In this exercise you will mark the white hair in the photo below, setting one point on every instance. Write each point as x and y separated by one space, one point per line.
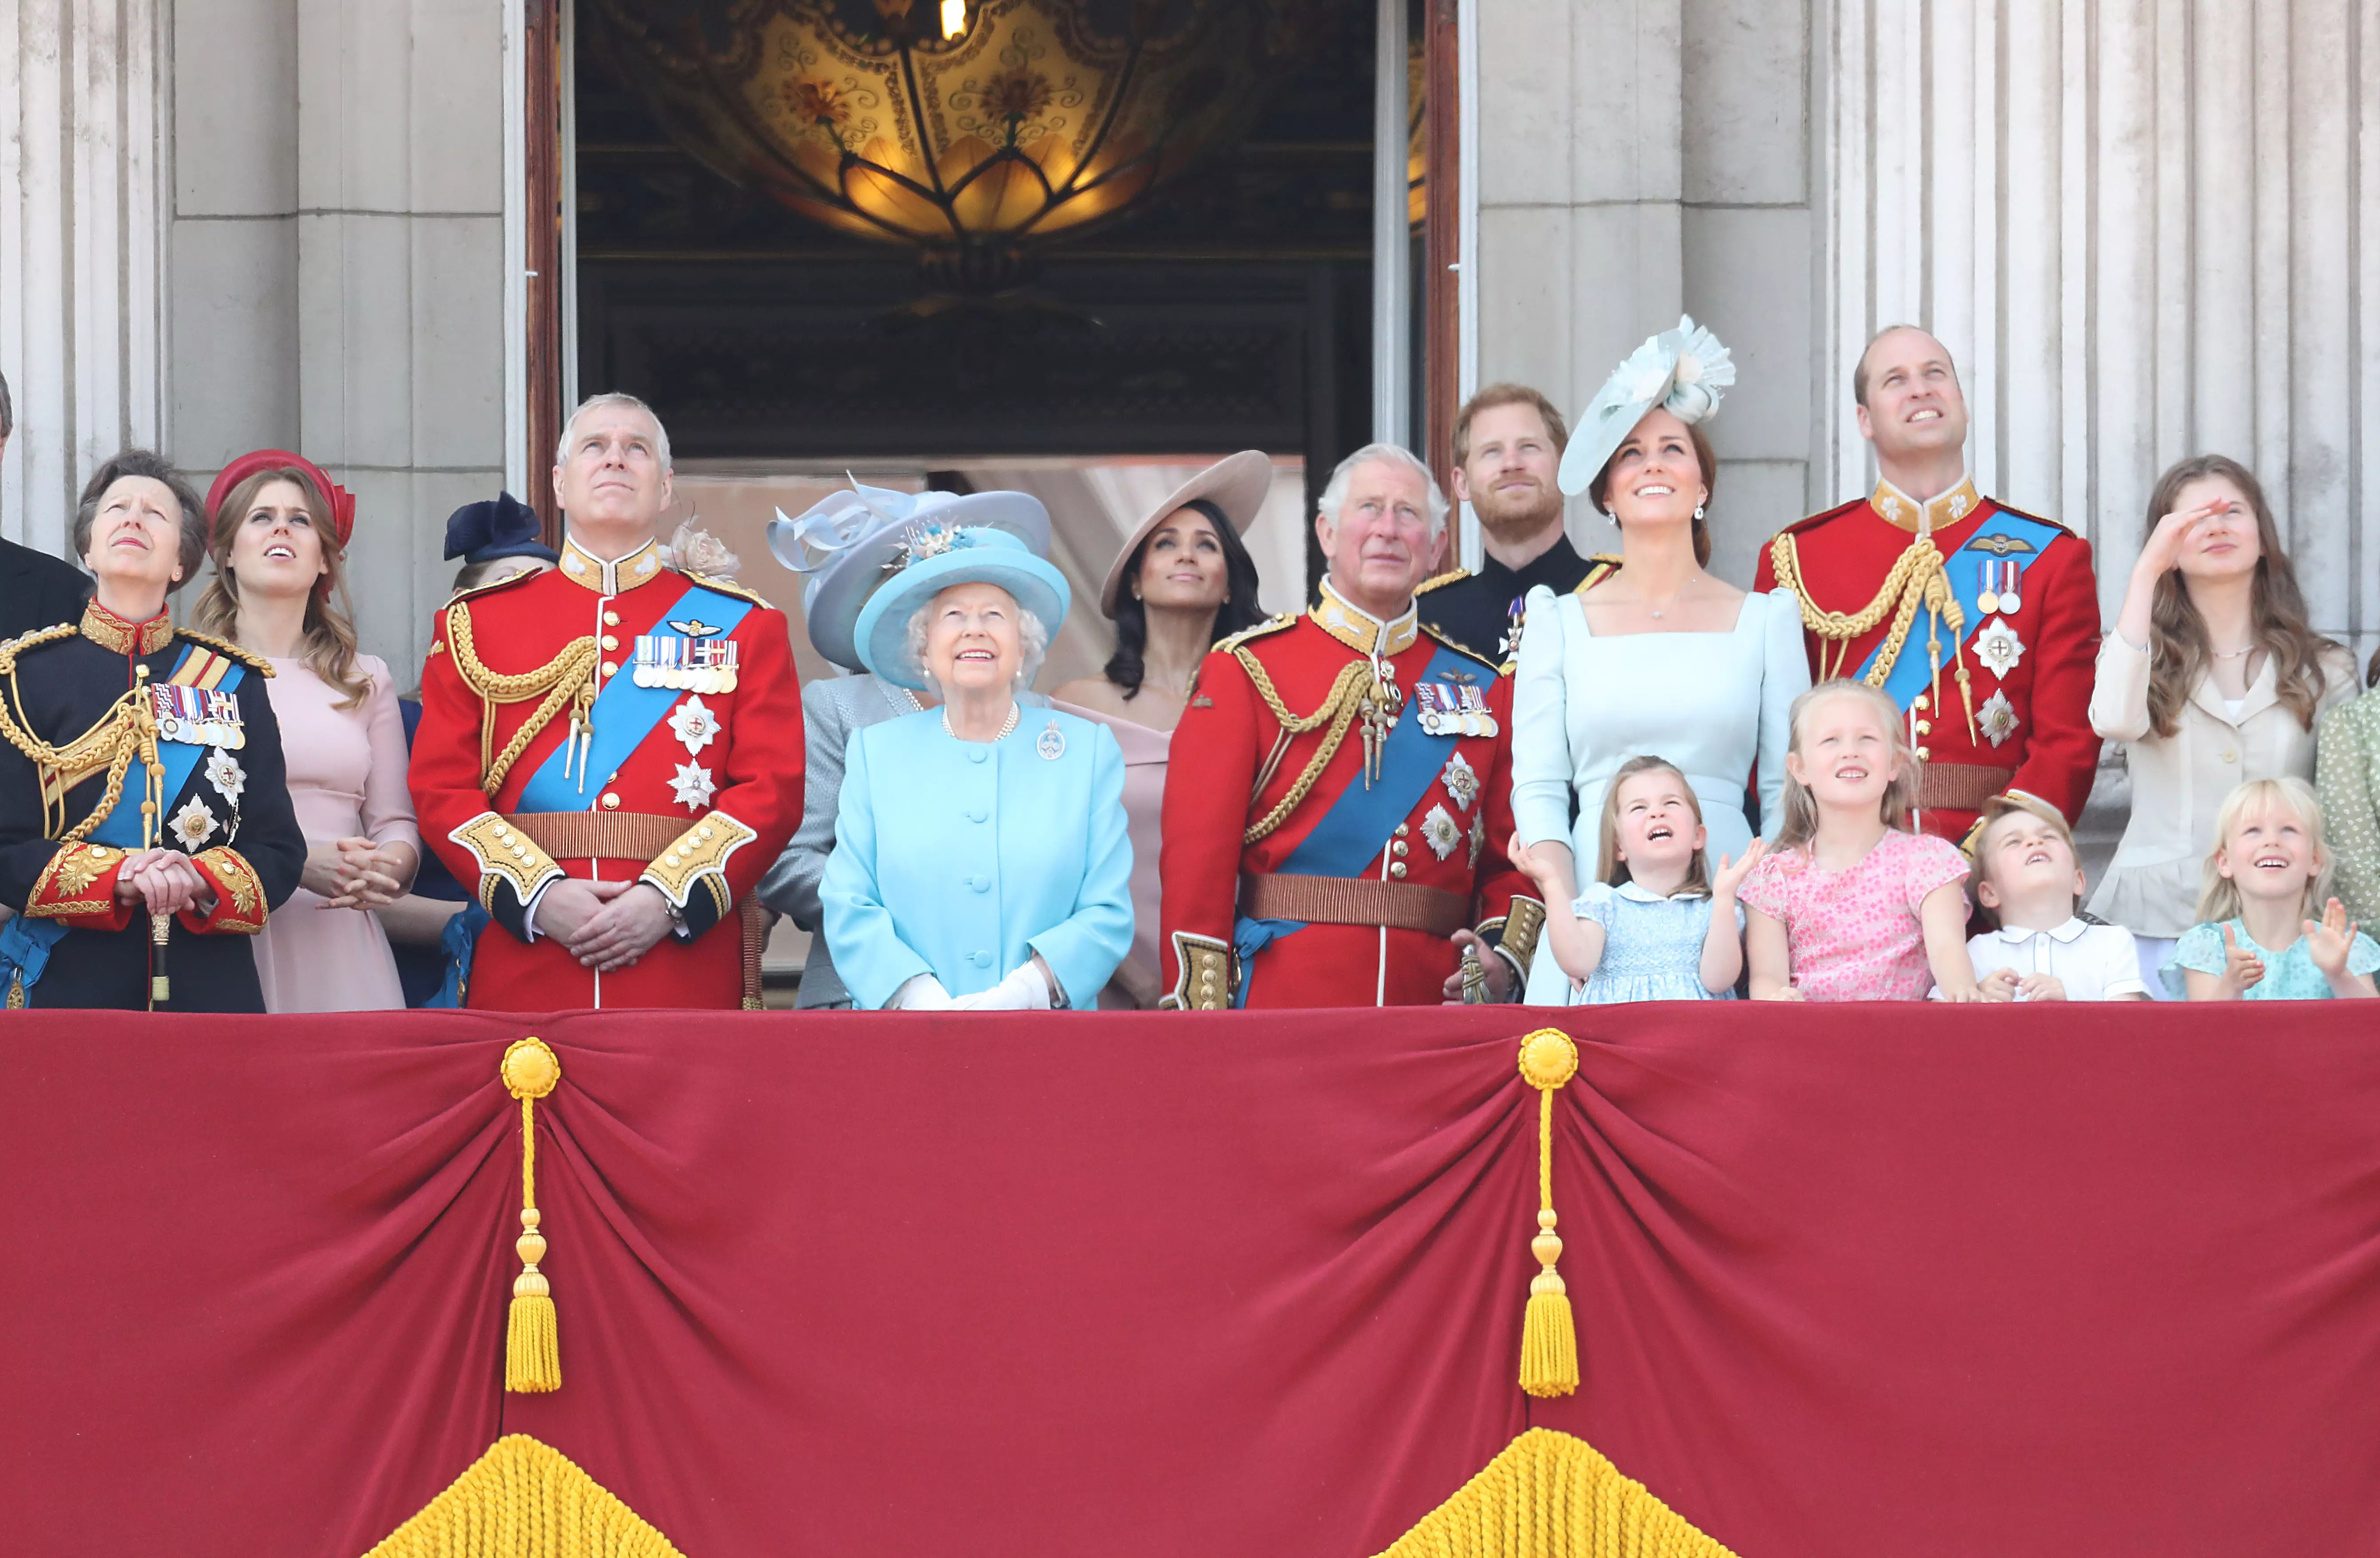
1032 639
611 398
1334 494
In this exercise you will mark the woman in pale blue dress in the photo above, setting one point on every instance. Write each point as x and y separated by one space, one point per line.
1661 657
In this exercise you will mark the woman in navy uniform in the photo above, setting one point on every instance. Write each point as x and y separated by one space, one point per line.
981 858
145 827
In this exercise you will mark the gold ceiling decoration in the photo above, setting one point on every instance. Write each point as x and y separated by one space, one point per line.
971 129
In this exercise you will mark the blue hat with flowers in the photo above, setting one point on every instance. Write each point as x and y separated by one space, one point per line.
501 526
1684 372
931 558
846 547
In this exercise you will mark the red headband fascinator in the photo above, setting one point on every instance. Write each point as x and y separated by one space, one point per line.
342 502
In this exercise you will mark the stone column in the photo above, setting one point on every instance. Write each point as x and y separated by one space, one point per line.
338 276
81 219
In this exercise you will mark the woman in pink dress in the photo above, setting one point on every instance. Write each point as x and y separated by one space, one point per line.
1182 582
279 533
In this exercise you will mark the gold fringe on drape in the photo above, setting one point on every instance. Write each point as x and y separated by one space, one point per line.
524 1500
1550 1495
1548 1333
532 1338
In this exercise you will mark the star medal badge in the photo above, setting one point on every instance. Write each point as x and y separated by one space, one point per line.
1999 647
694 786
1050 743
1479 836
1439 832
226 774
693 723
1997 718
193 824
1462 781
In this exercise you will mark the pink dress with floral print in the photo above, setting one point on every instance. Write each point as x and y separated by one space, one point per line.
1855 934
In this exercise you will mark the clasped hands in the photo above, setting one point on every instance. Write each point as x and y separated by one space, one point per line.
605 925
357 873
163 882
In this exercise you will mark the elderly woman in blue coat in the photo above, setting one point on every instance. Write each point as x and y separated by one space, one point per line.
980 859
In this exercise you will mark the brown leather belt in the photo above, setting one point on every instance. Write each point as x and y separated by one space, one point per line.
1346 900
600 836
1959 787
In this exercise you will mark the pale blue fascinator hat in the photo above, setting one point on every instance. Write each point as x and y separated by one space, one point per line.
1684 372
932 557
844 546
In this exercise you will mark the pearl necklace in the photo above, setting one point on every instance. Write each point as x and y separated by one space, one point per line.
1015 713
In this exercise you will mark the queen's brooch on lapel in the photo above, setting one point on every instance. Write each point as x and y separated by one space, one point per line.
1454 709
1050 743
685 663
197 716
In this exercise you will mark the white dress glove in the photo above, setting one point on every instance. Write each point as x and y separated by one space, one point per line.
1025 989
920 992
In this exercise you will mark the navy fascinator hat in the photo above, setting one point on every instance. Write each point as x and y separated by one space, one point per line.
503 527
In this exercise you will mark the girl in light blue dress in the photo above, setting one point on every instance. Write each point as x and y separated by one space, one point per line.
1657 925
2257 938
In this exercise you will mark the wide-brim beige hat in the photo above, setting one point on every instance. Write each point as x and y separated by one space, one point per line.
1236 484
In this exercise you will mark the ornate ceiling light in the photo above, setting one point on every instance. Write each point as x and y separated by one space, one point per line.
971 129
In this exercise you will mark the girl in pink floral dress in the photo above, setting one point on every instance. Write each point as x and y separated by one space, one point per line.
1850 906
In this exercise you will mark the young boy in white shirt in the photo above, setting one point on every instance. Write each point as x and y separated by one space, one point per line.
2029 879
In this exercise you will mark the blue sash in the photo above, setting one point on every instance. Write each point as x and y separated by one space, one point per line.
25 942
1352 833
623 716
179 759
458 944
1910 673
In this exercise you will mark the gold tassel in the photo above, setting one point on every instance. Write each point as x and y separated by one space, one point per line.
1548 1333
532 1339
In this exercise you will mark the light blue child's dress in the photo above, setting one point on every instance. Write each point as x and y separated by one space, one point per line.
2290 974
1652 947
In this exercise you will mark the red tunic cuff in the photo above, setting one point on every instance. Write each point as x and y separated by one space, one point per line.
240 906
78 888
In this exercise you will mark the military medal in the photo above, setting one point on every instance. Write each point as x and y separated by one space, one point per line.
196 716
2000 593
1462 781
693 723
1439 832
1997 718
1999 647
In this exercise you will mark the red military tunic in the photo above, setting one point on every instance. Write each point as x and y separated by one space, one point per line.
2028 670
698 807
1231 774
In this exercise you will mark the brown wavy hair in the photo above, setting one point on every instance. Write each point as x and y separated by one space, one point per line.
2179 654
329 644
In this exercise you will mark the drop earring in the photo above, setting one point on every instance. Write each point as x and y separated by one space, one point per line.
1698 511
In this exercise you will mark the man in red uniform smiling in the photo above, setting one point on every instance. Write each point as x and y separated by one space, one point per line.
1339 795
611 752
1980 621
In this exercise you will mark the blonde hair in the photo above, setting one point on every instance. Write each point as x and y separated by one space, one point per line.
1609 866
328 645
2219 900
1798 819
1999 809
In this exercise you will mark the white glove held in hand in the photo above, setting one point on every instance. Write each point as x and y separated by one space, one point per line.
1025 989
921 993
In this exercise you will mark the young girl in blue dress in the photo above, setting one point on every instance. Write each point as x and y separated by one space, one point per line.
1657 925
2257 938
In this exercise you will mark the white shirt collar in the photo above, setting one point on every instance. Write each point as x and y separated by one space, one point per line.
1638 892
2073 928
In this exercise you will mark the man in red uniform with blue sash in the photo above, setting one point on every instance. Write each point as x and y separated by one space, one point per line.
1339 795
1981 622
611 752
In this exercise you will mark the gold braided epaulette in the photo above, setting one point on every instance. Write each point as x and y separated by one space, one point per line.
729 587
1270 625
1425 586
22 641
228 649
